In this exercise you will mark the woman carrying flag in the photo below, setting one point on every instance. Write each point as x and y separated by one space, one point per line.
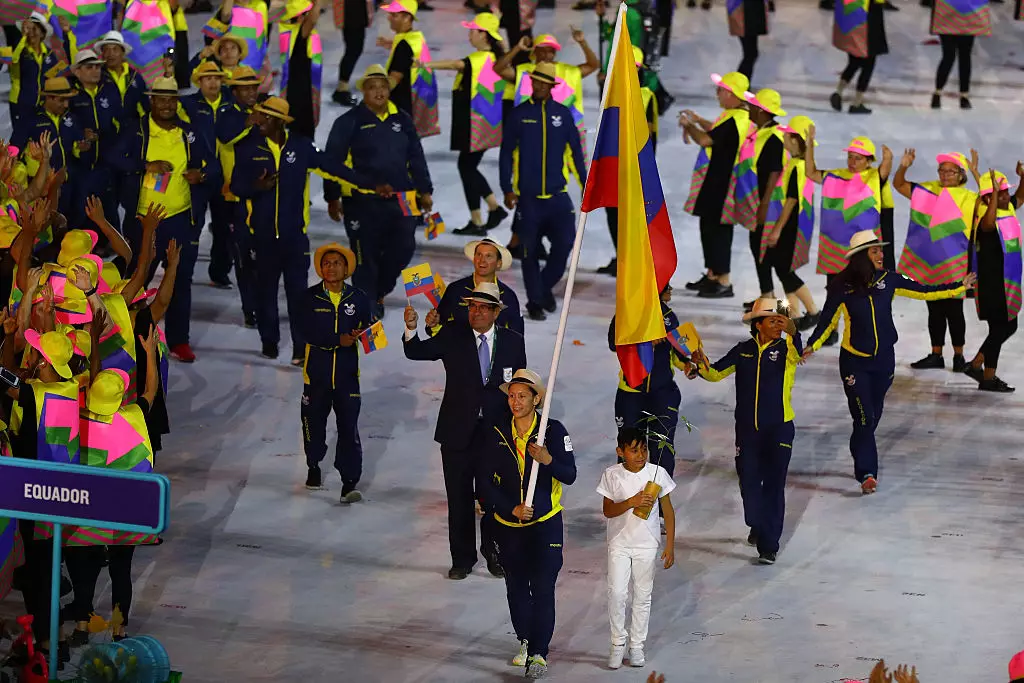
937 246
476 116
789 223
765 365
862 293
333 316
997 245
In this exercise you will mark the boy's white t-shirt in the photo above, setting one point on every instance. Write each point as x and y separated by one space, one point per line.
619 484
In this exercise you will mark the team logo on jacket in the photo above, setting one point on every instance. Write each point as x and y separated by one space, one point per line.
350 309
567 443
880 284
191 137
104 103
619 422
353 226
68 123
397 127
850 380
507 374
556 121
290 157
773 355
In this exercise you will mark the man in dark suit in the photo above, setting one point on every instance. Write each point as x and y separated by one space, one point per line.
477 358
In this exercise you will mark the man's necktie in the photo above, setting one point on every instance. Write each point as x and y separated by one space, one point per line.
484 353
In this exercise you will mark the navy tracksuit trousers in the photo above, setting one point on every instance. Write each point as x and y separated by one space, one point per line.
243 257
865 381
383 239
554 218
221 215
630 409
180 228
762 462
319 398
287 256
532 557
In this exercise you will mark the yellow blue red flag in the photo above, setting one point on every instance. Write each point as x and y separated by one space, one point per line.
624 174
374 339
421 280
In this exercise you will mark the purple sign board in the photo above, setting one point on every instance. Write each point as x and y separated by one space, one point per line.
83 496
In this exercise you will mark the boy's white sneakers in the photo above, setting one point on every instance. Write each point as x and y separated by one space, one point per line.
520 659
636 656
615 656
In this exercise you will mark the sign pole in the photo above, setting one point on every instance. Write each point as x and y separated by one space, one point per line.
55 575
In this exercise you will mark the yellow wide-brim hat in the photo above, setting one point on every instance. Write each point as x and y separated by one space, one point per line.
56 348
734 82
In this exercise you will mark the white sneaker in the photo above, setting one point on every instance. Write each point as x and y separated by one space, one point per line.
636 656
615 656
520 659
537 667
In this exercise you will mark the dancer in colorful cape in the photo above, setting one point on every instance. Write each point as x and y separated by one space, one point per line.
333 317
710 198
957 23
409 67
390 185
245 19
529 538
130 83
859 31
235 123
634 540
761 162
302 65
789 224
653 407
352 18
997 248
851 200
862 293
201 109
272 177
938 244
153 30
748 21
533 178
765 366
476 117
488 258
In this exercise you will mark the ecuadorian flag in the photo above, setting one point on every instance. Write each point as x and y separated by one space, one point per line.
624 174
374 339
420 280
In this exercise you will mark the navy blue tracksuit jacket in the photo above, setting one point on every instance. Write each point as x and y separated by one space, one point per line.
540 132
327 362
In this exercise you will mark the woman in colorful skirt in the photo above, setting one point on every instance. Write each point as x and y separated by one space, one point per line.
710 197
415 89
937 246
956 23
302 68
852 199
761 163
862 293
997 249
748 20
789 224
859 31
476 116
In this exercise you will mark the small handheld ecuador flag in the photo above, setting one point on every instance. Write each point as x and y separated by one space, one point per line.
157 182
373 339
407 203
421 280
624 174
435 226
684 339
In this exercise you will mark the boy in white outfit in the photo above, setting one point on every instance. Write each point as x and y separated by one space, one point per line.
633 541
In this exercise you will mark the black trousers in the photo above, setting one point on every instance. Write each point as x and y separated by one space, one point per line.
943 312
355 40
459 466
763 268
716 242
474 185
865 65
532 557
384 241
318 400
34 580
956 48
998 332
84 566
750 54
612 214
781 260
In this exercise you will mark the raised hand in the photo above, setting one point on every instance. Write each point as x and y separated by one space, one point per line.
80 276
94 210
1020 170
411 317
972 165
524 44
9 322
909 155
154 215
886 154
903 676
578 35
149 342
879 673
173 253
970 280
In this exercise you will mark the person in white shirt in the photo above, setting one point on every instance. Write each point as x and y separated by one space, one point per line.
633 540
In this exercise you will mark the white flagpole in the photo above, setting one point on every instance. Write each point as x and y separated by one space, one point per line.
581 224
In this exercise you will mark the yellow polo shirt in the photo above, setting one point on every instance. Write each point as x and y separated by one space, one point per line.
521 441
170 191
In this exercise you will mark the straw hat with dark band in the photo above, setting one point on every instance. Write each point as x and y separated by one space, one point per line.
58 87
243 47
374 71
545 73
528 378
334 247
766 308
863 240
206 69
486 293
164 87
276 107
244 75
